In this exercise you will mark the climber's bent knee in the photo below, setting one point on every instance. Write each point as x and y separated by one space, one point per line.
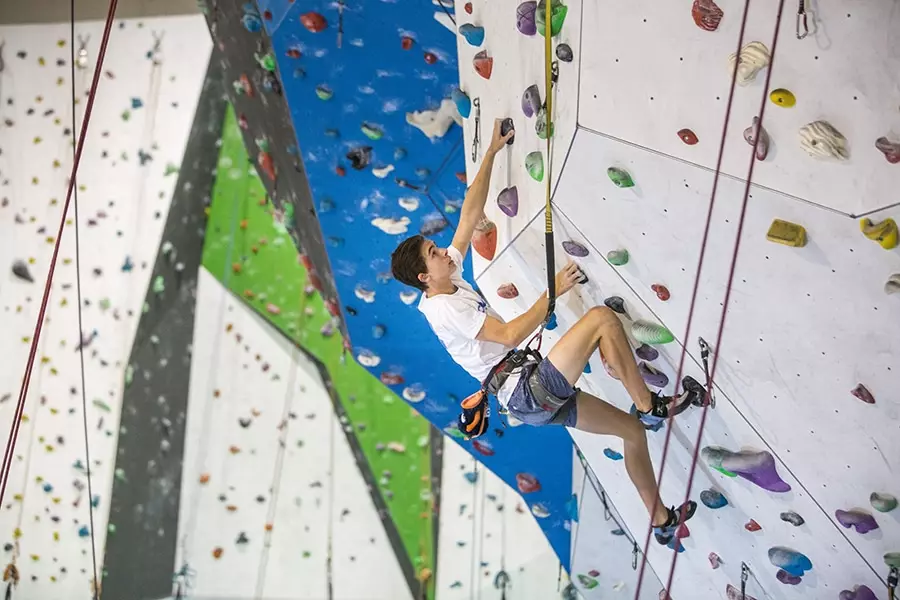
543 396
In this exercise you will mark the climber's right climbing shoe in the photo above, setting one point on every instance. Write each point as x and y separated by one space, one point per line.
677 517
663 407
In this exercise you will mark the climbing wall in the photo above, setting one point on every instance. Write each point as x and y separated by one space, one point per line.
807 324
270 480
138 131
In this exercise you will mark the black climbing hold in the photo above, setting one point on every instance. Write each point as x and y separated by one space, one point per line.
20 270
245 423
505 127
616 303
564 53
360 157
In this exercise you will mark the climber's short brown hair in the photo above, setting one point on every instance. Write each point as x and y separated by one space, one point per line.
407 262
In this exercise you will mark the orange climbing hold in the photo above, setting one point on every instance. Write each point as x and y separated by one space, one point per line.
313 21
217 553
264 159
340 171
484 239
406 42
204 479
484 64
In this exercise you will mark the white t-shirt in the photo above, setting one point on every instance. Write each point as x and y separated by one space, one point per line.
456 319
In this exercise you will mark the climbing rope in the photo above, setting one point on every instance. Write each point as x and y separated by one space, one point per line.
548 208
728 288
329 549
472 512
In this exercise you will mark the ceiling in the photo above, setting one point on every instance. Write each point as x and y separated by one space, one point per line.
55 11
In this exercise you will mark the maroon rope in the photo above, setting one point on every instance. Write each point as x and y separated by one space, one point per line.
696 287
26 380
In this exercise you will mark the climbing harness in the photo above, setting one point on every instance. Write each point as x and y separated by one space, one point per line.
802 21
709 399
476 139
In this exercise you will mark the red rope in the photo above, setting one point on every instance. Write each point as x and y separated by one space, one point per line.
26 380
695 291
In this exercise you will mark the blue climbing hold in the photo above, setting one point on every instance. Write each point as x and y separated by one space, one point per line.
795 563
675 544
471 476
378 331
713 499
572 508
463 104
422 172
473 34
612 454
551 324
251 23
84 531
618 532
326 205
48 488
399 153
332 133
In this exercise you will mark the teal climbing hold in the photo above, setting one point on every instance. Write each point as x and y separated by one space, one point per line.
651 333
323 92
373 132
534 164
620 177
883 502
618 257
713 499
463 104
473 34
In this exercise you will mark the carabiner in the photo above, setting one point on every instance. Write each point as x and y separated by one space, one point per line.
802 23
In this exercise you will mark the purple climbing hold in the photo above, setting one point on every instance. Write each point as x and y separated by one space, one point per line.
508 201
531 100
645 352
758 131
891 150
525 22
861 392
756 467
653 376
786 578
574 249
859 592
863 522
714 560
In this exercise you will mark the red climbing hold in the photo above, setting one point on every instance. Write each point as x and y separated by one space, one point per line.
267 15
315 281
485 241
662 292
293 53
706 14
752 526
862 393
430 58
389 378
461 175
332 306
527 484
242 122
683 531
468 7
688 137
484 64
246 85
891 150
406 42
483 448
264 159
313 21
508 291
341 171
305 261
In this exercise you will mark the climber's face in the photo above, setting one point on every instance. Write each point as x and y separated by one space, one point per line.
440 265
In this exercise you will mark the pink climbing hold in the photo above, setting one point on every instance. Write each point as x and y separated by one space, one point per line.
757 130
859 592
683 532
508 291
890 149
752 525
272 309
714 561
662 292
732 593
862 393
483 448
484 64
430 58
786 578
863 522
707 15
527 484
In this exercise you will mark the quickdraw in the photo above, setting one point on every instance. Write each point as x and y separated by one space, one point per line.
709 398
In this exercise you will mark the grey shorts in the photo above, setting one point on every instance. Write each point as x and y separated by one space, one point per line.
524 407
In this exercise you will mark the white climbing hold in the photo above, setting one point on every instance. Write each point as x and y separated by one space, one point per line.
754 57
409 203
365 294
821 140
435 123
367 358
408 296
413 394
391 226
382 172
892 285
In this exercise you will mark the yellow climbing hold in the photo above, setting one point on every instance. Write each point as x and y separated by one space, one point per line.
783 97
883 232
17 533
55 536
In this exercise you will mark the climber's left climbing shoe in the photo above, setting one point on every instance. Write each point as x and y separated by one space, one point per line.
677 516
663 407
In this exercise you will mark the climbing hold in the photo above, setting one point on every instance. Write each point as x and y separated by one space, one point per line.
662 292
413 394
378 330
883 502
753 58
323 92
575 249
251 22
707 15
564 53
620 177
821 140
892 559
525 18
891 150
617 304
617 532
217 553
612 454
527 484
786 578
468 8
484 239
791 561
713 499
508 201
758 131
892 285
382 172
531 100
789 234
540 511
653 376
463 104
558 13
20 270
406 42
859 592
313 21
862 393
389 378
732 593
792 518
714 561
435 123
483 64
752 525
688 137
508 291
433 224
645 352
483 447
756 467
651 333
473 34
618 257
534 164
783 97
884 232
507 125
360 157
587 582
551 323
540 125
861 521
430 58
373 132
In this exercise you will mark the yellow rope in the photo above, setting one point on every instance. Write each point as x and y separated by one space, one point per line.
548 90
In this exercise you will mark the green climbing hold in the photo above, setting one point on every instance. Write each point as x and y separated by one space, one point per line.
534 164
725 472
620 177
111 528
323 92
587 582
883 502
120 474
646 332
617 257
171 169
373 132
159 285
558 13
129 375
892 559
102 405
540 124
266 61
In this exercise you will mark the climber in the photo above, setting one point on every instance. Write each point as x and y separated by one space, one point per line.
533 390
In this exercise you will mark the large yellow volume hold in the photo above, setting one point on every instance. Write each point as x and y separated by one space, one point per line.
789 234
883 232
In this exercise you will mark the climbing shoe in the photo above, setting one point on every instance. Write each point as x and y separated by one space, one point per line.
665 533
663 407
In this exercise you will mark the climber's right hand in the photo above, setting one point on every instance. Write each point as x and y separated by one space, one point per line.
567 277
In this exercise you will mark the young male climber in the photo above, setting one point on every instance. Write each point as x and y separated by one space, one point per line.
537 392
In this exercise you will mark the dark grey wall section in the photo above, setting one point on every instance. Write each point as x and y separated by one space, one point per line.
140 555
57 11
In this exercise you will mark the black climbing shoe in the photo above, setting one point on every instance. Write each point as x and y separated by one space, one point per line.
663 407
677 516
